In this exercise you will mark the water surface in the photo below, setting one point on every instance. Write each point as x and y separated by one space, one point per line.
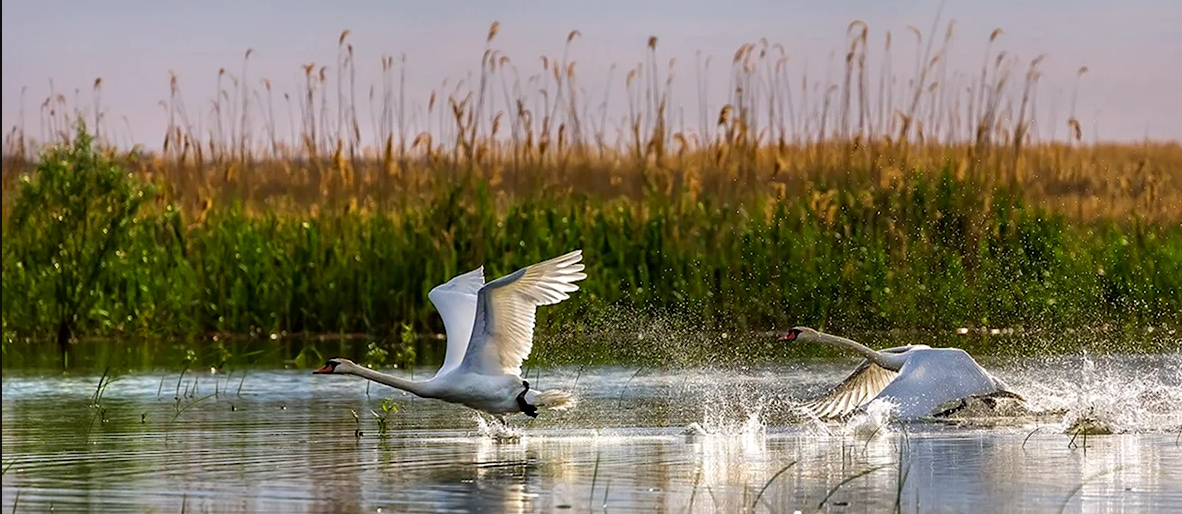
288 441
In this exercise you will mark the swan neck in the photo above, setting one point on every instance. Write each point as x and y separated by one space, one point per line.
410 386
878 358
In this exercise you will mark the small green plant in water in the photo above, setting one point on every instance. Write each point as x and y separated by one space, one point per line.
406 351
388 408
356 419
307 356
376 355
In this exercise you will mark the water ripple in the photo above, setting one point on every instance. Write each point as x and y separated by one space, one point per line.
637 441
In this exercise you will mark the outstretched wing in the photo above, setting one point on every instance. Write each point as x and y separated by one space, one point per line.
456 302
505 308
867 380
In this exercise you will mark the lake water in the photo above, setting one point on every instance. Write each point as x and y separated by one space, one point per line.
283 440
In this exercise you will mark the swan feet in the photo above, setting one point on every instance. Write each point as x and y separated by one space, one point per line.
528 409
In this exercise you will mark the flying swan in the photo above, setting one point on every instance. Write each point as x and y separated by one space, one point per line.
920 380
489 331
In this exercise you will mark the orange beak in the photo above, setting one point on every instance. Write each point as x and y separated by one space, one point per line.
323 370
790 336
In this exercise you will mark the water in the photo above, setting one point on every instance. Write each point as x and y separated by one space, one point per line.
288 442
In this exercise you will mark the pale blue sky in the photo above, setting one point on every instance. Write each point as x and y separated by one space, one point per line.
1133 49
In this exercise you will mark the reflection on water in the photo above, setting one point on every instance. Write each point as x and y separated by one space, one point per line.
289 442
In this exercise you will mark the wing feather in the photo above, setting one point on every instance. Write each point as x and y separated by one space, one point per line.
456 302
505 312
867 380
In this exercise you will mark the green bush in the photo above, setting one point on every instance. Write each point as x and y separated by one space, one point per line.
71 217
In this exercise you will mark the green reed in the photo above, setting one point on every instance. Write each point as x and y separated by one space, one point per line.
931 251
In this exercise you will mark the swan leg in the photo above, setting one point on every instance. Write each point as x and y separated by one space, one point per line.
528 409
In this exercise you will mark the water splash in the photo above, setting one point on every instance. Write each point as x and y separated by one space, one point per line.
730 449
1107 393
496 430
1110 395
873 421
715 419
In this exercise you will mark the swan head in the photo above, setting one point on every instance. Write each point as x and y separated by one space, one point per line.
798 334
335 365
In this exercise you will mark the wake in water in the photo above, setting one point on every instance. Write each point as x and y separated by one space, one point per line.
1067 394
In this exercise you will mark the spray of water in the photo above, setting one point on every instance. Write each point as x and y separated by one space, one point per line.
1134 394
873 422
720 416
496 430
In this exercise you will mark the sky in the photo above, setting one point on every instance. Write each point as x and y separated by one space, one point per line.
1133 50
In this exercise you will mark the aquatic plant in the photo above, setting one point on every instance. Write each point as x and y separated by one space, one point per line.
844 481
388 407
768 483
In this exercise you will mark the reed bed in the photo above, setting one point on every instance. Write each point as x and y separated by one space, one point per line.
875 200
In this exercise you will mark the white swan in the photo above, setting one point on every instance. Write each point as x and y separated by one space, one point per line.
918 379
489 333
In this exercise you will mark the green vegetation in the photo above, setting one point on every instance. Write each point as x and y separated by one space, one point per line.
73 215
748 223
931 251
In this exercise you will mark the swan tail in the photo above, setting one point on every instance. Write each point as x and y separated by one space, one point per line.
553 399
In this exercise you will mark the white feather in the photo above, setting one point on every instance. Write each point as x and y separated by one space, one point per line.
489 332
456 302
856 390
917 379
503 334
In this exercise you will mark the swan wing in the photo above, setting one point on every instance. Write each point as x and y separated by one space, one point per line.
867 380
456 302
503 333
936 376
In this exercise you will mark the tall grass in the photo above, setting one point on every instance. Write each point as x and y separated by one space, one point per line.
877 200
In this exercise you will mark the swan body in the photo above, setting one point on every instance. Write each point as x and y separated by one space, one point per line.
919 380
489 331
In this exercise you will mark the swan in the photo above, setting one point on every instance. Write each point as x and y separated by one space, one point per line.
489 329
920 380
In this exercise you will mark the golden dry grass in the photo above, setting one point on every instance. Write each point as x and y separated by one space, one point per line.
780 134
